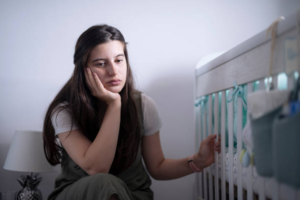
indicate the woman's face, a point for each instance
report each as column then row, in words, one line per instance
column 109, row 63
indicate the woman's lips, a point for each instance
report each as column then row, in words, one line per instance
column 114, row 82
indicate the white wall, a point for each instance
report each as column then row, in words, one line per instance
column 166, row 39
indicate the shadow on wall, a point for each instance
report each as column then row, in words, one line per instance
column 174, row 97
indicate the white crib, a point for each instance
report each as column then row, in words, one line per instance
column 246, row 64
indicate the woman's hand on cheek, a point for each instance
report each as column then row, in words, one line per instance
column 98, row 90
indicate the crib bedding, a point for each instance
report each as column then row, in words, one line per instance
column 284, row 191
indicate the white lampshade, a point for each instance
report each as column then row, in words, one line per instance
column 26, row 153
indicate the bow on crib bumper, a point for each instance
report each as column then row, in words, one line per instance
column 246, row 156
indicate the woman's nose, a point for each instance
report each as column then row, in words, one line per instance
column 112, row 69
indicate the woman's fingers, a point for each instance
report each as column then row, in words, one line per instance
column 98, row 83
column 94, row 83
column 89, row 78
column 217, row 149
column 210, row 139
column 217, row 145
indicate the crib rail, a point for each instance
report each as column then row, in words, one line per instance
column 250, row 69
column 247, row 62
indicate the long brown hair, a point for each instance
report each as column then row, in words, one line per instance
column 87, row 111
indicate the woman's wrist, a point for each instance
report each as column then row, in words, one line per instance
column 192, row 164
column 115, row 103
column 200, row 163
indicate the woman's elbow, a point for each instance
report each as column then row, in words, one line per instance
column 92, row 168
column 155, row 176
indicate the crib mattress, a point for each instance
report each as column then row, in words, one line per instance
column 284, row 190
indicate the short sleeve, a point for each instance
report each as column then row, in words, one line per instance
column 152, row 121
column 62, row 120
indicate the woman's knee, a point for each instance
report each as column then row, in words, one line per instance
column 108, row 184
column 102, row 179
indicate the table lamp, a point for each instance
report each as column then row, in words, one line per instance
column 26, row 154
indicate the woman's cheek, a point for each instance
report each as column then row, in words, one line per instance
column 100, row 77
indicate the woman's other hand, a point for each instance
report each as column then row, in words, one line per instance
column 206, row 155
column 98, row 90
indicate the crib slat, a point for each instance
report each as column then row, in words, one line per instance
column 239, row 148
column 198, row 138
column 223, row 157
column 205, row 169
column 210, row 132
column 275, row 82
column 291, row 81
column 291, row 193
column 261, row 180
column 216, row 106
column 250, row 168
column 275, row 188
column 197, row 124
column 197, row 186
column 262, row 84
column 230, row 145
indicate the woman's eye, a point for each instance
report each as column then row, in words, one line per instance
column 118, row 61
column 100, row 64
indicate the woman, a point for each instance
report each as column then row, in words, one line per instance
column 105, row 127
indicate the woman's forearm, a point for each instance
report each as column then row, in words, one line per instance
column 172, row 169
column 101, row 152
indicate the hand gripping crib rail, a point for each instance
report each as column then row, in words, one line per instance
column 248, row 66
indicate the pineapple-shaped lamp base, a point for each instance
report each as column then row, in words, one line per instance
column 29, row 190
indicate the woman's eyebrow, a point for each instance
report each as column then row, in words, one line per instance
column 99, row 59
